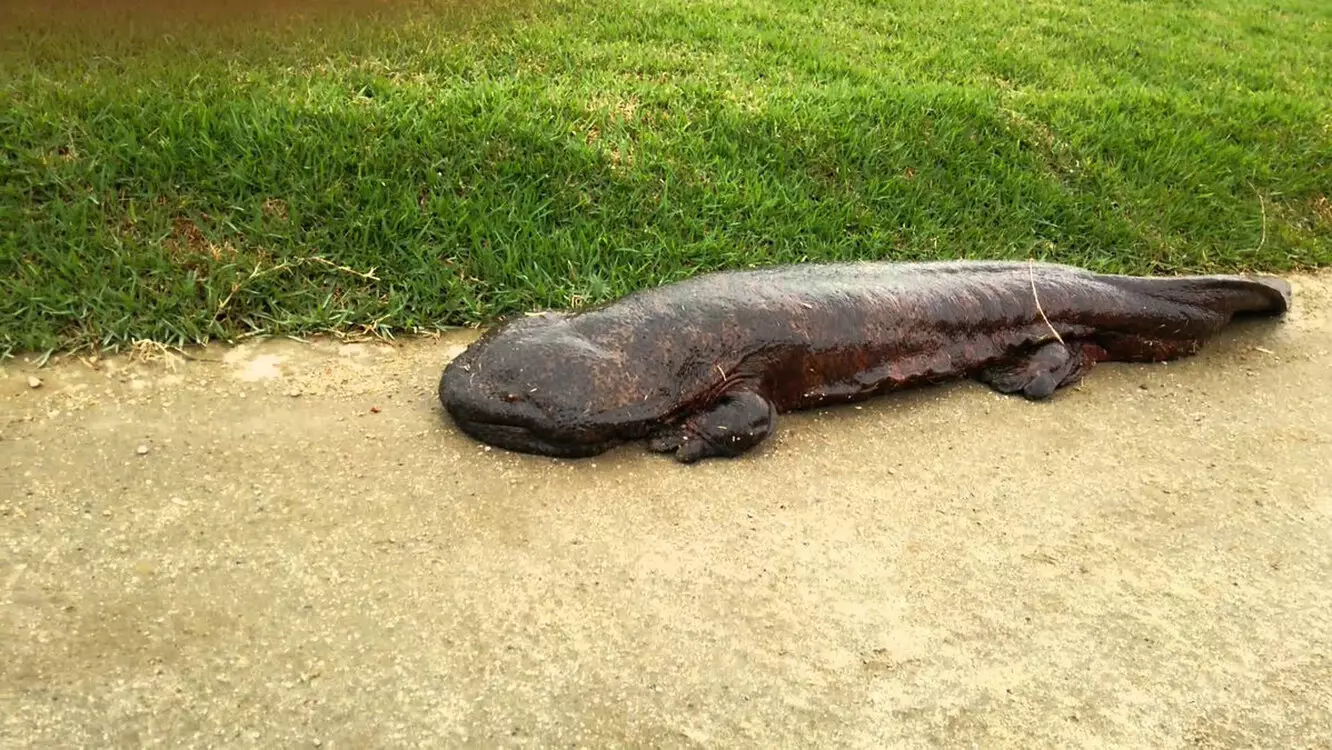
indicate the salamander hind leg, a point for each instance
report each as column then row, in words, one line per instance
column 728, row 428
column 1038, row 373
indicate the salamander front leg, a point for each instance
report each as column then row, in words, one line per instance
column 730, row 427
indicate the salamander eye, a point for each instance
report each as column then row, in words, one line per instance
column 512, row 397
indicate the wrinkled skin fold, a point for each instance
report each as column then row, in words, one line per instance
column 702, row 368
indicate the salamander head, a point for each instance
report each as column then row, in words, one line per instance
column 534, row 385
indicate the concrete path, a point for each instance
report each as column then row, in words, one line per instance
column 286, row 545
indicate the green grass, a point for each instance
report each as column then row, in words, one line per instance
column 447, row 166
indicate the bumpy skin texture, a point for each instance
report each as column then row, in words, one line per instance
column 702, row 367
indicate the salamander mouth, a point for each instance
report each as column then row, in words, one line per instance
column 522, row 439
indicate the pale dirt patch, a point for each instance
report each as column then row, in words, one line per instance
column 1322, row 208
column 1142, row 562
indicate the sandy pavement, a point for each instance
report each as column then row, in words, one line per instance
column 286, row 545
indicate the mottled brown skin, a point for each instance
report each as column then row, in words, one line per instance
column 702, row 367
